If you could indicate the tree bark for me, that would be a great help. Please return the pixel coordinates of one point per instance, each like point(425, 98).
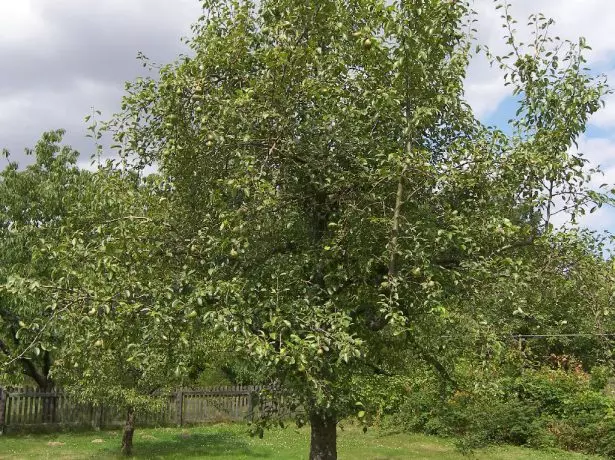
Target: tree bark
point(394, 244)
point(323, 441)
point(129, 430)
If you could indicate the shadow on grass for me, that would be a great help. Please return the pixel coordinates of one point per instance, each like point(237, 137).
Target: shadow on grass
point(191, 445)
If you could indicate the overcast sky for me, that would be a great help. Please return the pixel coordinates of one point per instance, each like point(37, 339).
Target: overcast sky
point(60, 59)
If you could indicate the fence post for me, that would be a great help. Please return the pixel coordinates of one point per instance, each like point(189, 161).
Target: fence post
point(101, 416)
point(180, 407)
point(2, 410)
point(251, 397)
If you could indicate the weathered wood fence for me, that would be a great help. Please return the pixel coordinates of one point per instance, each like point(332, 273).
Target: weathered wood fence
point(31, 408)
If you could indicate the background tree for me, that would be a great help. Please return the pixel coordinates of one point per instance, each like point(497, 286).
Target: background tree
point(560, 306)
point(34, 204)
point(121, 297)
point(98, 280)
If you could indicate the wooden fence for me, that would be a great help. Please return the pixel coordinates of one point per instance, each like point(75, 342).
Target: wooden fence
point(31, 408)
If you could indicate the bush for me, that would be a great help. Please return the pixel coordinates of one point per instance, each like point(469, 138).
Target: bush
point(539, 408)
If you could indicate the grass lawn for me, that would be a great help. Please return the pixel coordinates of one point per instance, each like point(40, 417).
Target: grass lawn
point(232, 442)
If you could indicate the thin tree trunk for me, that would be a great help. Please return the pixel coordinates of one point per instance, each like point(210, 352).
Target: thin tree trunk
point(129, 430)
point(323, 441)
point(393, 243)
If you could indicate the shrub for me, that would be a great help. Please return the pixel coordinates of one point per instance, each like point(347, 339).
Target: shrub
point(540, 408)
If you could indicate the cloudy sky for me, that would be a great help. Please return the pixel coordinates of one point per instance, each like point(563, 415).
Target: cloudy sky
point(60, 59)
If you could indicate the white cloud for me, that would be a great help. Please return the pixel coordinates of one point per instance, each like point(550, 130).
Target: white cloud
point(25, 116)
point(599, 152)
point(605, 117)
point(64, 57)
point(19, 21)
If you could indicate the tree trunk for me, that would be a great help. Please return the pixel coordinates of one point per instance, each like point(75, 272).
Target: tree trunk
point(323, 441)
point(129, 430)
point(45, 385)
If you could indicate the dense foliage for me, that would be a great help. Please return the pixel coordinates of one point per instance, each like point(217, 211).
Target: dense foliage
point(544, 407)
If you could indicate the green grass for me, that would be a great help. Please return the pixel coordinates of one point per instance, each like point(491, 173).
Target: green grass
point(232, 442)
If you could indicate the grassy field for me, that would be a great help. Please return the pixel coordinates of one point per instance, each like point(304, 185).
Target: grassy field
point(232, 442)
